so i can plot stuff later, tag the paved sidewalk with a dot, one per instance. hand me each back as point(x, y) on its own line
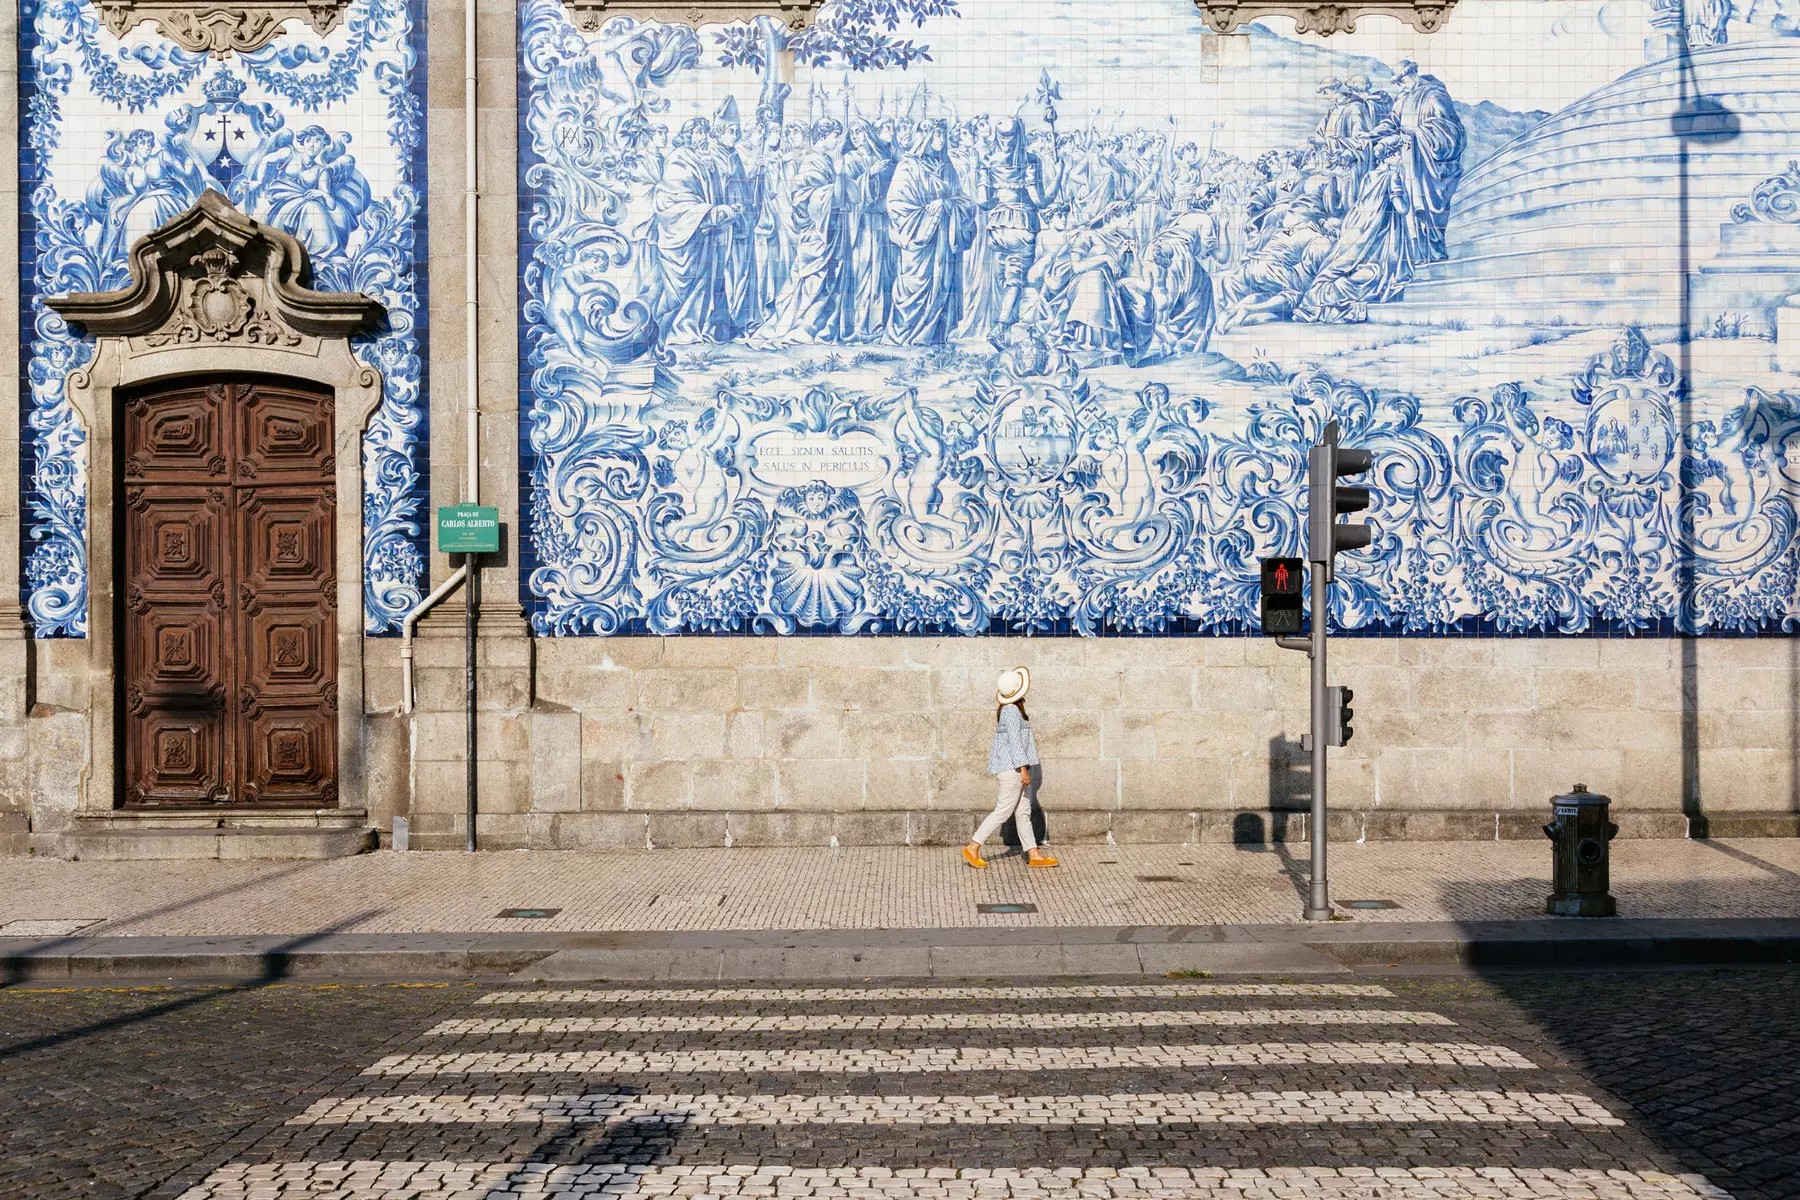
point(711, 915)
point(799, 889)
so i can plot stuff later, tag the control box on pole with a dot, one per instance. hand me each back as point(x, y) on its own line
point(1337, 715)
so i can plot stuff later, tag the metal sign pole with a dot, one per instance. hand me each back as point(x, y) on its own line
point(471, 613)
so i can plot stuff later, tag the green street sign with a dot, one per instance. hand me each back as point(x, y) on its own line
point(468, 529)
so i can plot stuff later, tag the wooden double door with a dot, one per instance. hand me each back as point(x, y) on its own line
point(227, 614)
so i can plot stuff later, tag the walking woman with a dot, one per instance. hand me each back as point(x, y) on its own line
point(1011, 760)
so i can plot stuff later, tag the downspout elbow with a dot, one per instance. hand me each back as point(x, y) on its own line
point(410, 620)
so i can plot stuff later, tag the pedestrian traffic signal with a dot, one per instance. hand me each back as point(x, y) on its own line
point(1282, 580)
point(1326, 501)
point(1337, 716)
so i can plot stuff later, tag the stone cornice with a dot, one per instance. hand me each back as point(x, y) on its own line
point(1426, 16)
point(214, 275)
point(589, 15)
point(221, 29)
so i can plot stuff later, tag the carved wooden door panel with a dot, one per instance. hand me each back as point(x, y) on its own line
point(228, 626)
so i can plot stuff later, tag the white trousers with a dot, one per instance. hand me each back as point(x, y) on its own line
point(1014, 801)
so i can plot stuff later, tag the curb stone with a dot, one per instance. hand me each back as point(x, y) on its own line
point(916, 954)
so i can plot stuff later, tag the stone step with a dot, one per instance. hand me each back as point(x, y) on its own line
point(112, 843)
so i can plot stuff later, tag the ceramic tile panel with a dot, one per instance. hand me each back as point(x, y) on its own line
point(320, 136)
point(995, 316)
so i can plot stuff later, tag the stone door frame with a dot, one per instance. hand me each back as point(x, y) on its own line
point(215, 293)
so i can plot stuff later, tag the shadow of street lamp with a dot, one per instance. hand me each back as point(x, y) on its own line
point(1701, 121)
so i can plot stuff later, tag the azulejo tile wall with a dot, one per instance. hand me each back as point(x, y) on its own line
point(993, 316)
point(320, 136)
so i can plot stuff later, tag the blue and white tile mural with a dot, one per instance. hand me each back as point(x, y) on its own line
point(1000, 316)
point(320, 136)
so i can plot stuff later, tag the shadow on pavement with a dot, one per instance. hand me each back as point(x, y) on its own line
point(648, 1139)
point(1706, 1060)
point(275, 964)
point(1744, 856)
point(12, 972)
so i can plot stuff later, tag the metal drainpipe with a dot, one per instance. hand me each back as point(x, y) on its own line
point(469, 570)
point(472, 394)
point(406, 633)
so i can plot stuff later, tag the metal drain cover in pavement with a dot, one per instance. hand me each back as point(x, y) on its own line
point(687, 900)
point(1006, 908)
point(530, 914)
point(1370, 904)
point(1160, 879)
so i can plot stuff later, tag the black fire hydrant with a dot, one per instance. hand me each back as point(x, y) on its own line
point(1581, 834)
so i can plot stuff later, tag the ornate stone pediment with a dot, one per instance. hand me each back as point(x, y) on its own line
point(221, 28)
point(589, 15)
point(214, 277)
point(1427, 16)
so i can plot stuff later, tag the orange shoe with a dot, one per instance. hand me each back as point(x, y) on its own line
point(972, 858)
point(1039, 859)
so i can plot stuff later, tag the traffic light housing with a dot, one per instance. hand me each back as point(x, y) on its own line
point(1282, 606)
point(1337, 716)
point(1327, 501)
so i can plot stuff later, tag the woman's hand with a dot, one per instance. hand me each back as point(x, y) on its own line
point(1024, 776)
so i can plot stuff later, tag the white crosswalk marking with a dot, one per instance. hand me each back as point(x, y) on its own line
point(951, 1058)
point(549, 1181)
point(715, 1143)
point(826, 995)
point(1124, 1108)
point(885, 1022)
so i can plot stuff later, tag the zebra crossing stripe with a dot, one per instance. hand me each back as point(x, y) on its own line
point(819, 995)
point(894, 1022)
point(1124, 1108)
point(951, 1058)
point(369, 1180)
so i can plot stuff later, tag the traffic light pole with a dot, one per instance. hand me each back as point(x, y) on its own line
point(1318, 894)
point(1326, 537)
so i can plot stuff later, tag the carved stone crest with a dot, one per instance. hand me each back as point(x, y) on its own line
point(213, 276)
point(1426, 16)
point(590, 15)
point(219, 309)
point(221, 28)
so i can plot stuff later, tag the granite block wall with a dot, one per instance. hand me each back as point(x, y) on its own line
point(671, 742)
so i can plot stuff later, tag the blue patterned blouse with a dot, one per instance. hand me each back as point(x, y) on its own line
point(1013, 747)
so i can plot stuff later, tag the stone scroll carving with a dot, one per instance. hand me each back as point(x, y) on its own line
point(1427, 16)
point(221, 28)
point(213, 276)
point(590, 15)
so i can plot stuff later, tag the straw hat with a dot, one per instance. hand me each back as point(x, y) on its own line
point(1012, 685)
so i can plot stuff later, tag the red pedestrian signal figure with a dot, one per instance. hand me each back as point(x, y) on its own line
point(1281, 612)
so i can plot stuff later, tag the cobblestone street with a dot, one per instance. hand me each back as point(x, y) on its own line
point(1390, 1087)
